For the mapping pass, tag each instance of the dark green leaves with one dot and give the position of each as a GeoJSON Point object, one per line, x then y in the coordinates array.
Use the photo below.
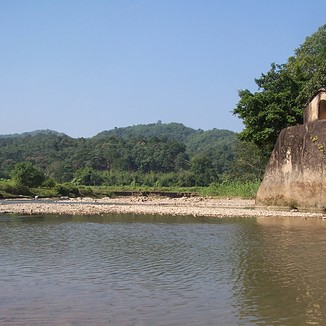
{"type": "Point", "coordinates": [27, 175]}
{"type": "Point", "coordinates": [283, 93]}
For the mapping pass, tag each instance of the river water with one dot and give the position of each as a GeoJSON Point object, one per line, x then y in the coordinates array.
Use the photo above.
{"type": "Point", "coordinates": [154, 270]}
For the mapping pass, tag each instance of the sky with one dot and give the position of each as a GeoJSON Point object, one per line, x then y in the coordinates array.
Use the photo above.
{"type": "Point", "coordinates": [84, 66]}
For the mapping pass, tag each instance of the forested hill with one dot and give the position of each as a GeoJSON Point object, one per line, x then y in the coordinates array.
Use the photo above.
{"type": "Point", "coordinates": [32, 133]}
{"type": "Point", "coordinates": [176, 131]}
{"type": "Point", "coordinates": [201, 157]}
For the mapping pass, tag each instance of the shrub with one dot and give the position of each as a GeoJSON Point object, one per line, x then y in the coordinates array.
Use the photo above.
{"type": "Point", "coordinates": [26, 175]}
{"type": "Point", "coordinates": [67, 189]}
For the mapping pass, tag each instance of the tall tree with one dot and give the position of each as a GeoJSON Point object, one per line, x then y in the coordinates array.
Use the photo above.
{"type": "Point", "coordinates": [283, 93]}
{"type": "Point", "coordinates": [27, 175]}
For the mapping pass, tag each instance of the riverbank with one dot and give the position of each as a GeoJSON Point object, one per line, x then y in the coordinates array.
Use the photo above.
{"type": "Point", "coordinates": [185, 206]}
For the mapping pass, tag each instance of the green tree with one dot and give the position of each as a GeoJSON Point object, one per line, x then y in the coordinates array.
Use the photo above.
{"type": "Point", "coordinates": [248, 165]}
{"type": "Point", "coordinates": [27, 175]}
{"type": "Point", "coordinates": [139, 154]}
{"type": "Point", "coordinates": [88, 177]}
{"type": "Point", "coordinates": [283, 93]}
{"type": "Point", "coordinates": [308, 65]}
{"type": "Point", "coordinates": [203, 170]}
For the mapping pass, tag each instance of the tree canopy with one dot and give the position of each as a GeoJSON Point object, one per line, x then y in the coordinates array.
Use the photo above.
{"type": "Point", "coordinates": [165, 154]}
{"type": "Point", "coordinates": [282, 93]}
{"type": "Point", "coordinates": [27, 175]}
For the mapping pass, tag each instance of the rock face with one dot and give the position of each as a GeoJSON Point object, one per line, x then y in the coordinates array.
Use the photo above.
{"type": "Point", "coordinates": [296, 173]}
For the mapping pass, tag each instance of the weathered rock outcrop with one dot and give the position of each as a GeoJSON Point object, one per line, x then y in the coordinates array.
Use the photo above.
{"type": "Point", "coordinates": [296, 173]}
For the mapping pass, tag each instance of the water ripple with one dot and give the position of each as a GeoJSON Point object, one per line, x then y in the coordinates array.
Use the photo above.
{"type": "Point", "coordinates": [120, 270]}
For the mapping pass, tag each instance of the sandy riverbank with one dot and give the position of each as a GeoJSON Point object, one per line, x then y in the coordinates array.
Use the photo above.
{"type": "Point", "coordinates": [195, 206]}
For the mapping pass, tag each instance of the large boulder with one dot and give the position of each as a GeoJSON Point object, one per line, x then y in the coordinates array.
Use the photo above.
{"type": "Point", "coordinates": [296, 173]}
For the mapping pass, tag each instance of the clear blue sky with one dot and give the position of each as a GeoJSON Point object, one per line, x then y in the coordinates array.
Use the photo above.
{"type": "Point", "coordinates": [84, 66]}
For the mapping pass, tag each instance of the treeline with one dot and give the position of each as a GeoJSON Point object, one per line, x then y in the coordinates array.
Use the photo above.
{"type": "Point", "coordinates": [145, 155]}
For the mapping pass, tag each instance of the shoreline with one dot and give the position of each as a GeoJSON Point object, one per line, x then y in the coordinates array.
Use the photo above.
{"type": "Point", "coordinates": [150, 205]}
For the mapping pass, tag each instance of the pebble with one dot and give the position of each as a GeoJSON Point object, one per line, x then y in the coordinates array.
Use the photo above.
{"type": "Point", "coordinates": [197, 206]}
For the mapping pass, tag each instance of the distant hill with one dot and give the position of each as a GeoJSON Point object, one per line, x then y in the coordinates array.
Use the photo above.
{"type": "Point", "coordinates": [176, 131]}
{"type": "Point", "coordinates": [157, 147]}
{"type": "Point", "coordinates": [33, 133]}
{"type": "Point", "coordinates": [195, 140]}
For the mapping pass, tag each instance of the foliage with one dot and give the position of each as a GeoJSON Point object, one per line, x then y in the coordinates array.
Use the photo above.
{"type": "Point", "coordinates": [169, 154]}
{"type": "Point", "coordinates": [171, 131]}
{"type": "Point", "coordinates": [25, 174]}
{"type": "Point", "coordinates": [283, 92]}
{"type": "Point", "coordinates": [157, 155]}
{"type": "Point", "coordinates": [49, 183]}
{"type": "Point", "coordinates": [49, 152]}
{"type": "Point", "coordinates": [32, 133]}
{"type": "Point", "coordinates": [308, 65]}
{"type": "Point", "coordinates": [203, 170]}
{"type": "Point", "coordinates": [87, 176]}
{"type": "Point", "coordinates": [239, 189]}
{"type": "Point", "coordinates": [207, 142]}
{"type": "Point", "coordinates": [43, 192]}
{"type": "Point", "coordinates": [152, 179]}
{"type": "Point", "coordinates": [10, 187]}
{"type": "Point", "coordinates": [67, 189]}
{"type": "Point", "coordinates": [248, 164]}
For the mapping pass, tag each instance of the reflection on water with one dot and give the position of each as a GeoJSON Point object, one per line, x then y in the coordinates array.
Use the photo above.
{"type": "Point", "coordinates": [154, 270]}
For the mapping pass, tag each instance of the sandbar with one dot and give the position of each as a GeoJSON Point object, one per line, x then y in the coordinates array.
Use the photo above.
{"type": "Point", "coordinates": [154, 205]}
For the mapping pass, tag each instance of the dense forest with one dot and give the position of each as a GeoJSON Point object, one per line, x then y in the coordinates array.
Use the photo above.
{"type": "Point", "coordinates": [153, 155]}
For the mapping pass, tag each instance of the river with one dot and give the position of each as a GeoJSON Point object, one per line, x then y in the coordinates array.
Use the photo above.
{"type": "Point", "coordinates": [162, 270]}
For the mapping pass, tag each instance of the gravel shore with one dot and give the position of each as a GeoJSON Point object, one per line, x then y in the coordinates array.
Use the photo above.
{"type": "Point", "coordinates": [186, 206]}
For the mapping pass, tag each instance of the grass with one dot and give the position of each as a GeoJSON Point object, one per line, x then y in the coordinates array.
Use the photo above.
{"type": "Point", "coordinates": [225, 189]}
{"type": "Point", "coordinates": [246, 190]}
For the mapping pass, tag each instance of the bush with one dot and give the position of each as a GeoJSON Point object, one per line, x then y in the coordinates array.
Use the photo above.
{"type": "Point", "coordinates": [186, 179]}
{"type": "Point", "coordinates": [26, 175]}
{"type": "Point", "coordinates": [14, 188]}
{"type": "Point", "coordinates": [67, 189]}
{"type": "Point", "coordinates": [86, 191]}
{"type": "Point", "coordinates": [87, 177]}
{"type": "Point", "coordinates": [234, 189]}
{"type": "Point", "coordinates": [49, 183]}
